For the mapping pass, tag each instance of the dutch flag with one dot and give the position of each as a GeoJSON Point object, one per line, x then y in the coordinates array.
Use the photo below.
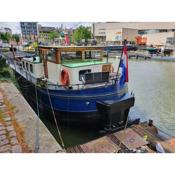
{"type": "Point", "coordinates": [123, 65]}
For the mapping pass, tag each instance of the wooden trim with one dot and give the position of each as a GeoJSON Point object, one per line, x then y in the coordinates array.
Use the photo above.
{"type": "Point", "coordinates": [73, 49]}
{"type": "Point", "coordinates": [45, 49]}
{"type": "Point", "coordinates": [58, 56]}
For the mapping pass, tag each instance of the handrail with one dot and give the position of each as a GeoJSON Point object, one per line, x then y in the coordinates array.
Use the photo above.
{"type": "Point", "coordinates": [56, 86]}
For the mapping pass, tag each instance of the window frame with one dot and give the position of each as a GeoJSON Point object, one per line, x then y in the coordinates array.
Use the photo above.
{"type": "Point", "coordinates": [27, 64]}
{"type": "Point", "coordinates": [31, 68]}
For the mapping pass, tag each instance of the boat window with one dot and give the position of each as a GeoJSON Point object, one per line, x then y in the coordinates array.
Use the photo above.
{"type": "Point", "coordinates": [82, 74]}
{"type": "Point", "coordinates": [23, 65]}
{"type": "Point", "coordinates": [51, 55]}
{"type": "Point", "coordinates": [92, 54]}
{"type": "Point", "coordinates": [97, 77]}
{"type": "Point", "coordinates": [31, 68]}
{"type": "Point", "coordinates": [71, 55]}
{"type": "Point", "coordinates": [27, 66]}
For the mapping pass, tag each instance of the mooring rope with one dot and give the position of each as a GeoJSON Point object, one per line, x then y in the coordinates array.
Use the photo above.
{"type": "Point", "coordinates": [59, 133]}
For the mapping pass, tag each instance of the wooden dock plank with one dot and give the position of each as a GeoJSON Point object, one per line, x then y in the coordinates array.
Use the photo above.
{"type": "Point", "coordinates": [130, 138]}
{"type": "Point", "coordinates": [138, 138]}
{"type": "Point", "coordinates": [101, 145]}
{"type": "Point", "coordinates": [149, 132]}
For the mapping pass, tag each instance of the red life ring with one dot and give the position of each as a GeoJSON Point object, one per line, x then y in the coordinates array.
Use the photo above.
{"type": "Point", "coordinates": [64, 77]}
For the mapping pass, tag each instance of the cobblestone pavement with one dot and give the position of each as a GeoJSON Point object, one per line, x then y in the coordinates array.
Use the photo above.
{"type": "Point", "coordinates": [20, 126]}
{"type": "Point", "coordinates": [8, 138]}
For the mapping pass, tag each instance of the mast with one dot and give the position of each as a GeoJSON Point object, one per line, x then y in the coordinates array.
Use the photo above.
{"type": "Point", "coordinates": [58, 56]}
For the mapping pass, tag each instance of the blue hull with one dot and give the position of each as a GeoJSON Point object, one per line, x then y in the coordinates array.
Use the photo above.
{"type": "Point", "coordinates": [81, 100]}
{"type": "Point", "coordinates": [74, 106]}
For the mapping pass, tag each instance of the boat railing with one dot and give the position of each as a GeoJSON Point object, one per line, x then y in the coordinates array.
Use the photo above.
{"type": "Point", "coordinates": [58, 86]}
{"type": "Point", "coordinates": [113, 81]}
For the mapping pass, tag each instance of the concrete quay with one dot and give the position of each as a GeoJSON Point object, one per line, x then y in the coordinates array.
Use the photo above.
{"type": "Point", "coordinates": [19, 125]}
{"type": "Point", "coordinates": [145, 56]}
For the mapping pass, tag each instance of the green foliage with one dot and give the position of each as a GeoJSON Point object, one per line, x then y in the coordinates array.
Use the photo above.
{"type": "Point", "coordinates": [4, 69]}
{"type": "Point", "coordinates": [81, 33]}
{"type": "Point", "coordinates": [41, 34]}
{"type": "Point", "coordinates": [5, 36]}
{"type": "Point", "coordinates": [2, 63]}
{"type": "Point", "coordinates": [16, 37]}
{"type": "Point", "coordinates": [53, 35]}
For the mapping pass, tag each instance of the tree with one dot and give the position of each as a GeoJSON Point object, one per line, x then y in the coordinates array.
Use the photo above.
{"type": "Point", "coordinates": [81, 33]}
{"type": "Point", "coordinates": [6, 36]}
{"type": "Point", "coordinates": [16, 37]}
{"type": "Point", "coordinates": [53, 35]}
{"type": "Point", "coordinates": [41, 36]}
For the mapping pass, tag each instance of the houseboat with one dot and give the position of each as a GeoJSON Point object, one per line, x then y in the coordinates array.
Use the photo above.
{"type": "Point", "coordinates": [80, 84]}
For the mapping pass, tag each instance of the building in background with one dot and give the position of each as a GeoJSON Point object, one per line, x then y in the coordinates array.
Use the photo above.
{"type": "Point", "coordinates": [29, 30]}
{"type": "Point", "coordinates": [64, 34]}
{"type": "Point", "coordinates": [160, 38]}
{"type": "Point", "coordinates": [118, 35]}
{"type": "Point", "coordinates": [44, 32]}
{"type": "Point", "coordinates": [153, 32]}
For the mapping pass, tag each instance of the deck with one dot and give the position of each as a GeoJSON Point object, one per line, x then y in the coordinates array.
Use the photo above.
{"type": "Point", "coordinates": [139, 138]}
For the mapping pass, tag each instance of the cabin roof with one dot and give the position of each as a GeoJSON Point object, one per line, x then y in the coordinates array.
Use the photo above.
{"type": "Point", "coordinates": [84, 48]}
{"type": "Point", "coordinates": [74, 64]}
{"type": "Point", "coordinates": [52, 46]}
{"type": "Point", "coordinates": [72, 48]}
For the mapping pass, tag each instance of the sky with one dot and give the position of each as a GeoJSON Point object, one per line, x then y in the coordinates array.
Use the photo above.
{"type": "Point", "coordinates": [15, 26]}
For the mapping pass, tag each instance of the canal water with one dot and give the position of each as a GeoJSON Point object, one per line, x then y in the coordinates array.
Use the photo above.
{"type": "Point", "coordinates": [153, 84]}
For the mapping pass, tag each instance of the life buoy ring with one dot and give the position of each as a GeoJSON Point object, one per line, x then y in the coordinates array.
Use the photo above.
{"type": "Point", "coordinates": [64, 77]}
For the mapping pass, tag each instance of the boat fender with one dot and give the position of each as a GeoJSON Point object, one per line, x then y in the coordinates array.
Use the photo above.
{"type": "Point", "coordinates": [64, 77]}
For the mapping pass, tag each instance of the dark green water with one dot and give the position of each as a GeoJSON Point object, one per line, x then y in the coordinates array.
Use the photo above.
{"type": "Point", "coordinates": [71, 135]}
{"type": "Point", "coordinates": [153, 84]}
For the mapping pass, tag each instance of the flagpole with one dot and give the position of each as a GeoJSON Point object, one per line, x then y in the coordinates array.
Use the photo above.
{"type": "Point", "coordinates": [124, 43]}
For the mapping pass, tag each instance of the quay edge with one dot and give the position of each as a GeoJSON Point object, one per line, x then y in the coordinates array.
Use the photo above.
{"type": "Point", "coordinates": [27, 118]}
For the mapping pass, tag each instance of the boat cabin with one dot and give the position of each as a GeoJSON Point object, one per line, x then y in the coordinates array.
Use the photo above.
{"type": "Point", "coordinates": [76, 65]}
{"type": "Point", "coordinates": [33, 66]}
{"type": "Point", "coordinates": [29, 67]}
{"type": "Point", "coordinates": [69, 66]}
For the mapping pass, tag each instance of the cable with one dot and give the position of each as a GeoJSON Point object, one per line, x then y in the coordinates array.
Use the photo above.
{"type": "Point", "coordinates": [59, 133]}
